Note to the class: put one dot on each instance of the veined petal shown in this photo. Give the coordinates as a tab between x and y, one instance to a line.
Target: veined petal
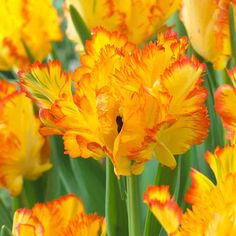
225	98
163	207
46	83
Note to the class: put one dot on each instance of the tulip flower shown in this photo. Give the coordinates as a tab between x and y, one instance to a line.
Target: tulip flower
139	20
213	205
24	152
31	23
208	29
127	103
63	217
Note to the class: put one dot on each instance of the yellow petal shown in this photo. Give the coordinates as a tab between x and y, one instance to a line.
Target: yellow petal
23	150
83	225
163	207
208	29
55	216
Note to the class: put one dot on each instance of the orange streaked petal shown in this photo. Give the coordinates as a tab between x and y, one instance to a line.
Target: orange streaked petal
25	224
213	213
188	129
85	225
55	215
163	207
200	184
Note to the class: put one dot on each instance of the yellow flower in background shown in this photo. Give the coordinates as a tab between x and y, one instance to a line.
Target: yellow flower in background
138	19
207	25
213	209
225	100
24	153
127	103
34	22
64	216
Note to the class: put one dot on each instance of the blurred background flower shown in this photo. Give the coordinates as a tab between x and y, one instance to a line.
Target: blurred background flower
31	24
208	29
24	153
138	19
63	216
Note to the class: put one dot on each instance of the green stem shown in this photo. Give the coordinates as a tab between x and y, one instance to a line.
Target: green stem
151	224
116	220
133	206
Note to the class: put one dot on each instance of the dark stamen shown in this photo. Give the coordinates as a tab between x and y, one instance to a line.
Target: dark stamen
119	123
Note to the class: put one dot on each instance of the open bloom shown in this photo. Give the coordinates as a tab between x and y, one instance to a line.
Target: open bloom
225	100
127	103
208	29
24	152
139	20
213	206
62	217
35	23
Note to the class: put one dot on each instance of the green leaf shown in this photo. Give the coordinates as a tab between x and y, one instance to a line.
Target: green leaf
5	231
80	25
62	165
6	215
116	214
90	177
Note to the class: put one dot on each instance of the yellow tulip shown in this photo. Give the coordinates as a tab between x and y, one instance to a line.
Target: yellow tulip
127	103
207	25
24	152
138	19
213	209
34	22
62	217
